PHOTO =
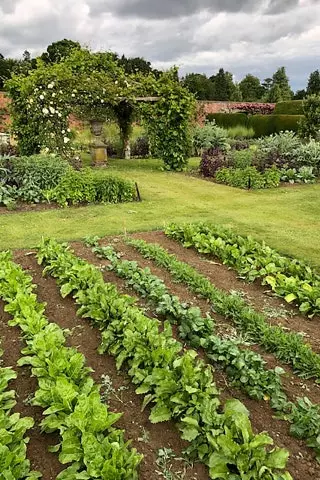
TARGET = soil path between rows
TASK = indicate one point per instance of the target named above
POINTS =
(226, 279)
(146, 437)
(25, 386)
(302, 463)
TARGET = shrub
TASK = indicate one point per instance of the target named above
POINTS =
(240, 132)
(242, 178)
(278, 149)
(239, 144)
(42, 171)
(310, 125)
(253, 108)
(113, 190)
(140, 147)
(78, 187)
(209, 136)
(241, 158)
(8, 150)
(212, 160)
(248, 177)
(309, 154)
(290, 107)
(272, 177)
(303, 175)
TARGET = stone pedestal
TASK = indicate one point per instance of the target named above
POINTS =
(97, 147)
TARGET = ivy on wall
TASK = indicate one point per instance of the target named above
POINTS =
(94, 87)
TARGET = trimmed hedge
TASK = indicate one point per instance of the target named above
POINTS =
(227, 120)
(263, 125)
(291, 107)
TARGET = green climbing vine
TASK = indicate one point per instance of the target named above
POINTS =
(93, 87)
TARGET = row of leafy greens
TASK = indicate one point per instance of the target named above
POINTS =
(292, 279)
(66, 391)
(14, 463)
(289, 347)
(244, 368)
(176, 383)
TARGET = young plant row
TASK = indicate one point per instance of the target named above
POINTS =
(66, 391)
(13, 442)
(288, 347)
(289, 278)
(176, 383)
(245, 369)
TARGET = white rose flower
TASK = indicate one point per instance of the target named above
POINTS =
(66, 140)
(53, 94)
(45, 111)
(51, 85)
(41, 97)
(59, 115)
(116, 82)
(72, 95)
(52, 110)
(63, 131)
(68, 130)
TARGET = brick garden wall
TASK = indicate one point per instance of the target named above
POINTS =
(204, 108)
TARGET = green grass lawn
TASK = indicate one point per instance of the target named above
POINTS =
(286, 218)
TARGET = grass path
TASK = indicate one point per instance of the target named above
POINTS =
(287, 218)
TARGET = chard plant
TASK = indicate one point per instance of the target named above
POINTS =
(176, 383)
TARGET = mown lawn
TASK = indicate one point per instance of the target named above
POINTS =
(287, 218)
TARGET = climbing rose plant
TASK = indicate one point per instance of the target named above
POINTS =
(92, 86)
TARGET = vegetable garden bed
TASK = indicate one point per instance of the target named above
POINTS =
(149, 438)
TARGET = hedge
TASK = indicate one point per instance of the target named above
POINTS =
(262, 124)
(228, 120)
(291, 107)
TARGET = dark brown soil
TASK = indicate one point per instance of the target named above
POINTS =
(302, 462)
(24, 385)
(294, 386)
(227, 280)
(147, 438)
(27, 207)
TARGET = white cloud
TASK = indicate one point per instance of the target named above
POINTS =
(198, 35)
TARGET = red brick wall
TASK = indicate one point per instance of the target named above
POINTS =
(204, 107)
(4, 117)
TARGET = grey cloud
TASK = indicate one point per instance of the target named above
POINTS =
(279, 6)
(8, 6)
(161, 9)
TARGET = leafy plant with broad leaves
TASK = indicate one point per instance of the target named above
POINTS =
(287, 346)
(292, 279)
(179, 385)
(70, 399)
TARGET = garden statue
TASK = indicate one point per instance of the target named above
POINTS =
(97, 146)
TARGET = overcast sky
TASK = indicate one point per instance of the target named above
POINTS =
(242, 36)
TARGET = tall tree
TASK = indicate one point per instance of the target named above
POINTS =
(275, 94)
(223, 86)
(7, 67)
(300, 95)
(313, 87)
(59, 50)
(281, 80)
(200, 85)
(236, 94)
(251, 88)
